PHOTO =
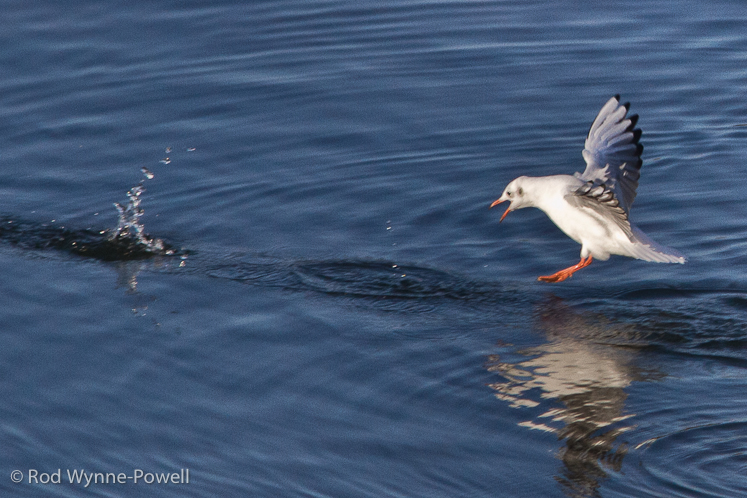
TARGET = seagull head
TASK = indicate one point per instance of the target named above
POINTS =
(515, 193)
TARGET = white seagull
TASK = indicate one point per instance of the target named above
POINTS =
(593, 207)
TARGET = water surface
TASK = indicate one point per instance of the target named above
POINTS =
(336, 311)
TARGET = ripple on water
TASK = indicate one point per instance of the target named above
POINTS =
(709, 459)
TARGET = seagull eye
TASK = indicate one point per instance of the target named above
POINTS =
(510, 194)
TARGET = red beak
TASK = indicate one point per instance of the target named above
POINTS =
(507, 210)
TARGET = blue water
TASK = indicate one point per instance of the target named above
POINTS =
(343, 316)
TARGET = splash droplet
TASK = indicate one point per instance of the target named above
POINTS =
(130, 231)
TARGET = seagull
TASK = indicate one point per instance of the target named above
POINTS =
(593, 207)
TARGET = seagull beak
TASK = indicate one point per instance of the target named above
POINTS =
(507, 210)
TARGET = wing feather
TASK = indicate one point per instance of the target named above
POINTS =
(613, 154)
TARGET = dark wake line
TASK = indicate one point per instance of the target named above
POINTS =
(345, 277)
(703, 322)
(368, 279)
(104, 245)
(352, 278)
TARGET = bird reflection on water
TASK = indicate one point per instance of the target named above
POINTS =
(582, 371)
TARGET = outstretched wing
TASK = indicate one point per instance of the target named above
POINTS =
(613, 154)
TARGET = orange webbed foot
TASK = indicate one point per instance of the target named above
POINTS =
(555, 277)
(568, 272)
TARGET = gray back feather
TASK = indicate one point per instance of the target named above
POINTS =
(601, 198)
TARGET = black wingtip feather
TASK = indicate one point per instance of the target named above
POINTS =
(637, 135)
(617, 97)
(633, 121)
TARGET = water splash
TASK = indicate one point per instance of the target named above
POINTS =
(128, 241)
(130, 231)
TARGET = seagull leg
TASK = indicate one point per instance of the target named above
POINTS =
(563, 274)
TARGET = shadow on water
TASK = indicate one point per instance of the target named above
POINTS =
(577, 380)
(575, 384)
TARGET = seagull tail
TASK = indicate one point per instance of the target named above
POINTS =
(646, 249)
